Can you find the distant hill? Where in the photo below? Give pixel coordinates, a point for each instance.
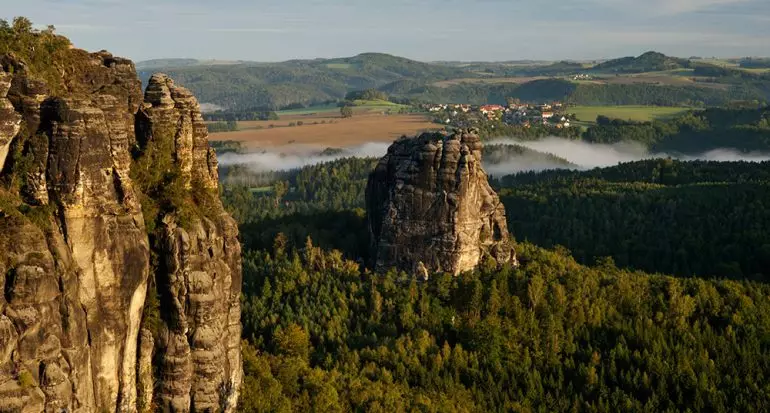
(507, 158)
(296, 83)
(648, 62)
(159, 63)
(176, 63)
(755, 63)
(275, 85)
(562, 68)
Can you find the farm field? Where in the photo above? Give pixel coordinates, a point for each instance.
(636, 113)
(325, 130)
(360, 106)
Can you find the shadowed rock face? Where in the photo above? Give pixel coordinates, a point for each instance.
(430, 207)
(75, 271)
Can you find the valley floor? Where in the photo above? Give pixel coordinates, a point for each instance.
(325, 130)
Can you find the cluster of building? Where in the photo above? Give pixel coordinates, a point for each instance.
(444, 107)
(514, 113)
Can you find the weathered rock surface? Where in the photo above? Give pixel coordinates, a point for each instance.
(75, 253)
(199, 276)
(430, 207)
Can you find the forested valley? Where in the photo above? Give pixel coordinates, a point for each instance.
(641, 287)
(578, 326)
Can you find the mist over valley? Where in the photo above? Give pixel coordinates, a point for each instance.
(502, 156)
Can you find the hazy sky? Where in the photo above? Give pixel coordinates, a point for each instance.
(273, 30)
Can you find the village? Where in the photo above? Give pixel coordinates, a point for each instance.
(514, 113)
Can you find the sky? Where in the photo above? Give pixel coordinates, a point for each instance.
(427, 30)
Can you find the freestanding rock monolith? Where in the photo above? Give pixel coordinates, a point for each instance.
(431, 209)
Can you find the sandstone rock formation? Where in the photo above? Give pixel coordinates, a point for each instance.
(199, 273)
(430, 207)
(86, 246)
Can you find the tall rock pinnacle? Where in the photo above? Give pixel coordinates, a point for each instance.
(431, 208)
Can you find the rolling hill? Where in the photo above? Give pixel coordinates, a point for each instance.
(302, 83)
(648, 62)
(275, 85)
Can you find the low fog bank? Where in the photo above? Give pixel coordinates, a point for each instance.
(585, 155)
(548, 153)
(522, 163)
(277, 161)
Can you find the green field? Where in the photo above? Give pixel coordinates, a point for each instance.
(312, 109)
(377, 105)
(261, 190)
(637, 113)
(359, 106)
(340, 66)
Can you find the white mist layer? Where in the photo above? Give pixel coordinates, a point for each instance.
(273, 161)
(521, 163)
(585, 155)
(582, 155)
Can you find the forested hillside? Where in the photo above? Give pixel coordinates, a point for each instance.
(325, 334)
(647, 62)
(306, 82)
(275, 85)
(695, 132)
(706, 219)
(550, 336)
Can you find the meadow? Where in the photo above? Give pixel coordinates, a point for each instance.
(359, 107)
(635, 113)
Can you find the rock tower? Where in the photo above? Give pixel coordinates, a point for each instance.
(430, 206)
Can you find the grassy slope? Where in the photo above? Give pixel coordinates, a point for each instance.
(360, 106)
(637, 113)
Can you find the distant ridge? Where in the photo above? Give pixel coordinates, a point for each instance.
(275, 85)
(308, 82)
(166, 63)
(647, 62)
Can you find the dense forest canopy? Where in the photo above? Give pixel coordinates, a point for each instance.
(325, 334)
(276, 85)
(695, 132)
(647, 62)
(576, 327)
(689, 219)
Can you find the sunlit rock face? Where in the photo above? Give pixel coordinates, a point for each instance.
(75, 253)
(199, 271)
(431, 209)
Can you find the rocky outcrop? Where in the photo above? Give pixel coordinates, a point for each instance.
(431, 209)
(82, 239)
(10, 121)
(198, 276)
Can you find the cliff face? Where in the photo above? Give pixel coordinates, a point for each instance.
(113, 299)
(199, 268)
(430, 207)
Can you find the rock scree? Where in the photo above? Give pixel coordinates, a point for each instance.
(430, 207)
